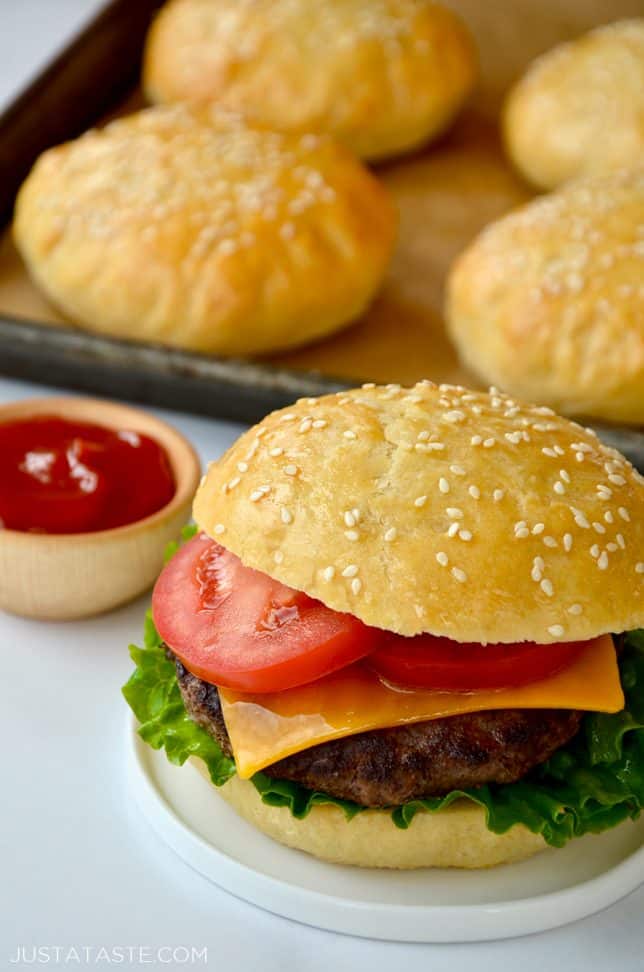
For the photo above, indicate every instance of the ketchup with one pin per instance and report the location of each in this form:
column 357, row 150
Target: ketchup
column 58, row 476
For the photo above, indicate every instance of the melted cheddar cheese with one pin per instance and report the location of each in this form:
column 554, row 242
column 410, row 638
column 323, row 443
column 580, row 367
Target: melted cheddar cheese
column 266, row 728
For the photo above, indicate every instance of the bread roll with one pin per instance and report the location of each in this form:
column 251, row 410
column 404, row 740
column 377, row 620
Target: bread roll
column 436, row 509
column 381, row 75
column 454, row 837
column 548, row 303
column 193, row 230
column 579, row 109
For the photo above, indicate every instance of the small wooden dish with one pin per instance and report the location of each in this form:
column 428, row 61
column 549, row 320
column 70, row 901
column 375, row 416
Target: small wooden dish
column 65, row 577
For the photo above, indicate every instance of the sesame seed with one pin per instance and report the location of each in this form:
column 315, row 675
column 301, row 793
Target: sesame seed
column 602, row 563
column 617, row 480
column 350, row 571
column 286, row 515
column 242, row 466
column 621, row 541
column 435, row 446
column 305, row 425
column 349, row 519
column 474, row 492
column 625, row 515
column 538, row 528
column 488, row 443
column 278, row 556
column 476, row 440
column 235, row 481
column 457, row 470
column 575, row 609
column 498, row 494
column 550, row 541
column 420, row 501
column 608, row 516
column 454, row 513
column 513, row 437
column 536, row 574
column 556, row 630
column 539, row 562
column 442, row 558
column 580, row 519
column 611, row 547
column 639, row 567
column 558, row 450
column 564, row 475
column 291, row 470
column 390, row 534
column 549, row 452
column 579, row 456
column 320, row 424
column 349, row 434
column 567, row 542
column 521, row 533
column 257, row 495
column 356, row 585
column 328, row 573
column 465, row 535
column 352, row 535
column 459, row 575
column 598, row 527
column 546, row 587
column 443, row 485
column 453, row 529
column 219, row 528
column 594, row 551
column 454, row 416
column 276, row 451
column 559, row 488
column 287, row 417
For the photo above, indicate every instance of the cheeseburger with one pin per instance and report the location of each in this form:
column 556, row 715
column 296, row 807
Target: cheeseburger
column 403, row 634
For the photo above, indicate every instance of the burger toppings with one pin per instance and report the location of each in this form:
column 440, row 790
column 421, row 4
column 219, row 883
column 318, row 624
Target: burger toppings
column 293, row 673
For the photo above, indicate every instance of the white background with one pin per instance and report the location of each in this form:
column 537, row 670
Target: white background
column 78, row 865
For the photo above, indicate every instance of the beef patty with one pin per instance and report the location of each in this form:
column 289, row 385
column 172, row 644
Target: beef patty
column 387, row 767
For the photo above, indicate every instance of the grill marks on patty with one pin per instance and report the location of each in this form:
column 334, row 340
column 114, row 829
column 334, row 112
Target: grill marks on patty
column 387, row 767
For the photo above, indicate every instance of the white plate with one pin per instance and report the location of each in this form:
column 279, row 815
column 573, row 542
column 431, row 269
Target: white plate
column 551, row 889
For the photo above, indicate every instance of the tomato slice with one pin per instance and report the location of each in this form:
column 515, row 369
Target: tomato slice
column 239, row 628
column 429, row 662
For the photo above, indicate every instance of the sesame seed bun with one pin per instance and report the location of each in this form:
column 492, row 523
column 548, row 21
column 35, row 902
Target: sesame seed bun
column 454, row 837
column 190, row 229
column 381, row 75
column 548, row 303
column 579, row 109
column 436, row 509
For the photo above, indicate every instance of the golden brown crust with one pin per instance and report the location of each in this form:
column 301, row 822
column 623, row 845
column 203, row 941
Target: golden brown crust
column 193, row 230
column 548, row 303
column 579, row 109
column 437, row 509
column 381, row 75
column 454, row 837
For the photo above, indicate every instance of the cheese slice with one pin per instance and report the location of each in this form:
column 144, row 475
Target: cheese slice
column 266, row 728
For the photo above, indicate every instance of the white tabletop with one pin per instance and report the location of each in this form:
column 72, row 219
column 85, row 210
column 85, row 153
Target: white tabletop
column 79, row 867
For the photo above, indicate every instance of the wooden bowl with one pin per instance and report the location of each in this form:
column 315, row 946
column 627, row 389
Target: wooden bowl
column 64, row 577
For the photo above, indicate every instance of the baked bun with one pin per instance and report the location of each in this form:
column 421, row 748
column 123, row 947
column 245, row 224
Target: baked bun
column 436, row 509
column 455, row 837
column 548, row 303
column 579, row 109
column 381, row 75
column 193, row 230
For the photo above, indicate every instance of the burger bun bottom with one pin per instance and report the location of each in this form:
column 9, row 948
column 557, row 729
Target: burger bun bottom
column 454, row 837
